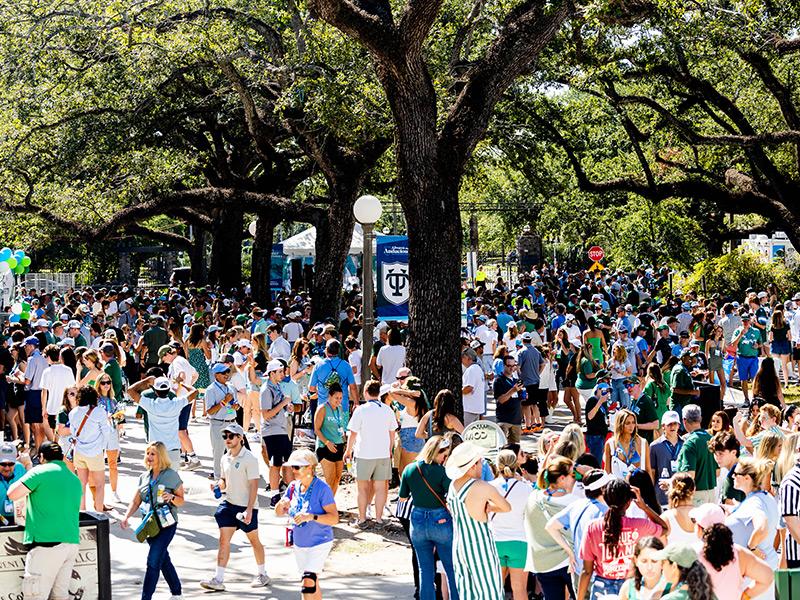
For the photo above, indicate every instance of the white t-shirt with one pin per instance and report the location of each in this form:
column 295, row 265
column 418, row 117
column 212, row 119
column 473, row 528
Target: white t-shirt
column 509, row 527
column 489, row 339
column 55, row 379
column 372, row 421
column 280, row 348
column 390, row 359
column 293, row 330
column 238, row 471
column 181, row 365
column 474, row 402
column 355, row 361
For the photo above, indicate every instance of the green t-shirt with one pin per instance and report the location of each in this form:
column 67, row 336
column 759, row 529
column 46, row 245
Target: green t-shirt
column 682, row 593
column 695, row 456
column 412, row 485
column 113, row 370
column 153, row 339
column 747, row 345
column 54, row 504
column 659, row 396
column 645, row 413
column 582, row 382
column 728, row 492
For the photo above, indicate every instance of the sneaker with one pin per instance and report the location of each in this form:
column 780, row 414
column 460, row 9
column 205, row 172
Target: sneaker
column 536, row 429
column 260, row 581
column 549, row 419
column 213, row 584
column 274, row 501
column 115, row 498
column 193, row 464
column 176, row 598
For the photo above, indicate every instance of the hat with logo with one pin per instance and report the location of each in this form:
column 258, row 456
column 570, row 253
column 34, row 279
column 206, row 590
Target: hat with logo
column 220, row 368
column 8, row 453
column 274, row 365
column 32, row 340
column 161, row 384
column 234, row 428
column 671, row 416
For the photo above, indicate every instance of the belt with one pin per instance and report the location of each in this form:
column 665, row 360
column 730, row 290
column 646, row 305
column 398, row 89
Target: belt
column 224, row 420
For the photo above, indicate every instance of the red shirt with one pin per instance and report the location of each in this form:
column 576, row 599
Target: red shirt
column 616, row 566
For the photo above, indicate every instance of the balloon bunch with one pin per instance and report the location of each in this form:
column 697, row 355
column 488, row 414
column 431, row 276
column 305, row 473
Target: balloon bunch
column 19, row 311
column 15, row 261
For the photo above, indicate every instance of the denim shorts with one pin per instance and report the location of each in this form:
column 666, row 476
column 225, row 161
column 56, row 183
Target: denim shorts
column 748, row 367
column 781, row 347
column 408, row 440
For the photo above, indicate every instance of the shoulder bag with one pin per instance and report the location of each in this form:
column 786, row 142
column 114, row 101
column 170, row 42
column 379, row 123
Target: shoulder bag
column 73, row 440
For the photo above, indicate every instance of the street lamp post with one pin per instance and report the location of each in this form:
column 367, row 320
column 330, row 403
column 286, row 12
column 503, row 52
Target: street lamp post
column 367, row 211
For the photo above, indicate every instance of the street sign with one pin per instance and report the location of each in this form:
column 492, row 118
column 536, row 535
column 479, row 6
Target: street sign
column 596, row 253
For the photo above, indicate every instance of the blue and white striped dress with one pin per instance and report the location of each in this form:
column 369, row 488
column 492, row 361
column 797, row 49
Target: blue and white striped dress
column 475, row 559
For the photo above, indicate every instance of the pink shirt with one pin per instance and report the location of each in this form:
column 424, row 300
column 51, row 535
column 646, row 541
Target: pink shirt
column 616, row 566
column 728, row 582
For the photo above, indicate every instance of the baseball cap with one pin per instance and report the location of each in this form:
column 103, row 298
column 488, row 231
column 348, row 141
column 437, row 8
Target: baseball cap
column 762, row 294
column 707, row 515
column 8, row 453
column 662, row 327
column 67, row 341
column 161, row 384
column 631, row 379
column 682, row 555
column 526, row 337
column 602, row 374
column 301, row 458
column 214, row 328
column 187, row 318
column 164, row 350
column 73, row 325
column 220, row 368
column 381, row 325
column 234, row 428
column 671, row 416
column 685, row 352
column 274, row 365
column 42, row 323
column 244, row 344
column 32, row 340
column 475, row 344
column 745, row 317
column 683, row 334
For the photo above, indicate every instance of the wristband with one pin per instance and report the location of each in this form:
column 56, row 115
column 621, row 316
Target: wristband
column 316, row 517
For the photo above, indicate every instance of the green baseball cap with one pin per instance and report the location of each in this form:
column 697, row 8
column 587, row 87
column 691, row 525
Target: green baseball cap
column 682, row 555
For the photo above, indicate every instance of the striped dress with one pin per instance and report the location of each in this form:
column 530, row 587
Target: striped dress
column 475, row 559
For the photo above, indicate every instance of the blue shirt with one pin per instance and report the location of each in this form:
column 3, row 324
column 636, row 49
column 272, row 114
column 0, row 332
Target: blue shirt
column 503, row 319
column 740, row 522
column 312, row 501
column 215, row 394
column 529, row 360
column 333, row 369
column 33, row 372
column 16, row 474
column 576, row 518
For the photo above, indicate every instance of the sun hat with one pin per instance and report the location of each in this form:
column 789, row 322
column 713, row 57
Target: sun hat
column 462, row 459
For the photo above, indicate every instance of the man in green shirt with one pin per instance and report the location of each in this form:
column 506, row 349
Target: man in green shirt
column 642, row 406
column 52, row 531
column 112, row 369
column 683, row 386
column 695, row 458
column 747, row 340
column 155, row 337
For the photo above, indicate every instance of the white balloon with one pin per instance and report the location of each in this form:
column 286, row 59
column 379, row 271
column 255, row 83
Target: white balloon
column 16, row 308
column 4, row 268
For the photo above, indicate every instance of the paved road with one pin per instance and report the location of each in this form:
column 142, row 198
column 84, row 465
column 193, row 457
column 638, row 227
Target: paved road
column 351, row 571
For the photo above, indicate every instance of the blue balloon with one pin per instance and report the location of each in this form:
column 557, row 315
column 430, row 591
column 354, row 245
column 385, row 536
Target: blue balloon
column 18, row 254
column 5, row 254
column 13, row 319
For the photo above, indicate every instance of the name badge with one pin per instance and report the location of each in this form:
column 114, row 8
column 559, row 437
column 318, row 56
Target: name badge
column 673, row 465
column 8, row 507
column 341, row 431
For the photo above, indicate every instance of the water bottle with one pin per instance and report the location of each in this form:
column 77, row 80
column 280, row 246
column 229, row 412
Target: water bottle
column 241, row 516
column 160, row 494
column 217, row 491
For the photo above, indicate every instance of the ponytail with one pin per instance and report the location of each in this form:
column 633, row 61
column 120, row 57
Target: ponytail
column 618, row 495
column 697, row 579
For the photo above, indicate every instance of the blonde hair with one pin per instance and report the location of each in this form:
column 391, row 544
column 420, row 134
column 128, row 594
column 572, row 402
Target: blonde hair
column 768, row 448
column 771, row 411
column 557, row 466
column 161, row 453
column 788, row 456
column 93, row 357
column 431, row 449
column 260, row 342
column 507, row 463
column 541, row 446
column 681, row 489
column 573, row 433
column 619, row 353
column 759, row 469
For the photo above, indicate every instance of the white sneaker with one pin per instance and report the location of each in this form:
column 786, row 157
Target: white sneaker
column 115, row 498
column 260, row 581
column 213, row 584
column 548, row 419
column 193, row 464
column 176, row 598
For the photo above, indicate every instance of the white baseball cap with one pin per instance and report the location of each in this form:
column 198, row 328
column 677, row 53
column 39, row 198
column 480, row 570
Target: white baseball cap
column 670, row 416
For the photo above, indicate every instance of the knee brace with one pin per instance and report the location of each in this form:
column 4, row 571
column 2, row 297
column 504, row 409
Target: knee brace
column 309, row 589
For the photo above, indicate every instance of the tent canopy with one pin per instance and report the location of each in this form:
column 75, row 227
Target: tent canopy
column 303, row 244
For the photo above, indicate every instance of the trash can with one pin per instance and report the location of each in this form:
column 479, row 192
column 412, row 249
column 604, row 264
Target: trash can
column 787, row 584
column 91, row 575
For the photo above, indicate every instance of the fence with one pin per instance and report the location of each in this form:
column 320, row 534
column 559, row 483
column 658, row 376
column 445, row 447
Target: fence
column 50, row 281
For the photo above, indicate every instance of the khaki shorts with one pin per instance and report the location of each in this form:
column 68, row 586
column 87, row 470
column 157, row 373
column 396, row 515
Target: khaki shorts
column 92, row 463
column 512, row 432
column 374, row 469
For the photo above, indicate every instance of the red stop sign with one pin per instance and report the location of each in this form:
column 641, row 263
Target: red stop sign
column 596, row 253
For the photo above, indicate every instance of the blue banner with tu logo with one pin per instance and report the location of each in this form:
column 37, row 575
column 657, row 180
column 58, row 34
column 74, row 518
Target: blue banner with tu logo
column 392, row 277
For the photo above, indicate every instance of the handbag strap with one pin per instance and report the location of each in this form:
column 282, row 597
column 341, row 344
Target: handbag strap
column 425, row 481
column 508, row 491
column 83, row 421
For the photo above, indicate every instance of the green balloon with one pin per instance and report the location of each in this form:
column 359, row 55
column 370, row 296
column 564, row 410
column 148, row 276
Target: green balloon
column 26, row 269
column 19, row 269
column 12, row 262
column 26, row 261
column 25, row 315
column 26, row 307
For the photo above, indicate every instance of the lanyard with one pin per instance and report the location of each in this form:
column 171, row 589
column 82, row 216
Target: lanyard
column 302, row 497
column 376, row 402
column 630, row 456
column 673, row 450
column 337, row 416
column 6, row 484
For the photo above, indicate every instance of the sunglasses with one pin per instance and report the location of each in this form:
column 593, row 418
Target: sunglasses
column 229, row 436
column 105, row 383
column 740, row 474
column 403, row 378
column 7, row 464
column 630, row 385
column 296, row 468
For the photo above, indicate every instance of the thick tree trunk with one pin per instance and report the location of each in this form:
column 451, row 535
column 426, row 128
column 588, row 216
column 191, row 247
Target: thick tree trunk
column 262, row 260
column 226, row 249
column 197, row 257
column 334, row 234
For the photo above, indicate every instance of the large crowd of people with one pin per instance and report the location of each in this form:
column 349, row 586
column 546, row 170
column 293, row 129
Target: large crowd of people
column 664, row 484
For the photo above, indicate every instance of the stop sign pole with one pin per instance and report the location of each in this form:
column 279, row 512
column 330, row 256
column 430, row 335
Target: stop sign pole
column 596, row 254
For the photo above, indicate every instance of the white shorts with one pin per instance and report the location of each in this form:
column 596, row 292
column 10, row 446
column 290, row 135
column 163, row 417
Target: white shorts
column 312, row 559
column 113, row 439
